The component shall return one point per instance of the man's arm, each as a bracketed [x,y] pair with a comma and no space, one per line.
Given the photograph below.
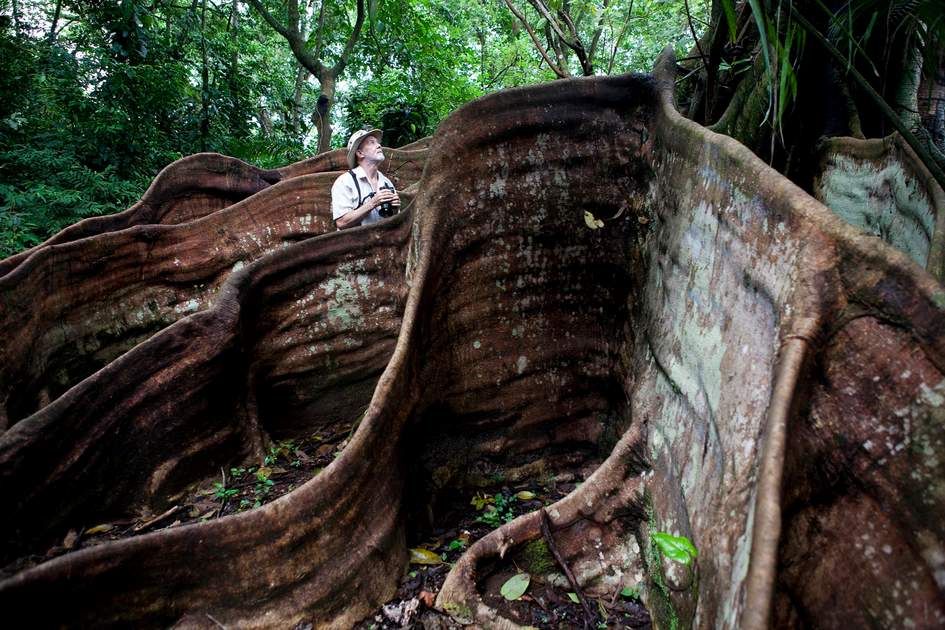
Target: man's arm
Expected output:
[352,218]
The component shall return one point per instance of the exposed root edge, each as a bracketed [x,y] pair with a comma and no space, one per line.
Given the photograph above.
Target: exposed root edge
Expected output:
[616,484]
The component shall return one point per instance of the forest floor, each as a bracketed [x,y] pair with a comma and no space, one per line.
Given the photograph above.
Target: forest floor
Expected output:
[543,604]
[461,520]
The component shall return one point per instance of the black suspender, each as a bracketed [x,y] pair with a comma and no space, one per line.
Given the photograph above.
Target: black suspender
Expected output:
[355,178]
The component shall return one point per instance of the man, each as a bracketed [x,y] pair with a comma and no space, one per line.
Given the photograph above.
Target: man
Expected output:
[358,196]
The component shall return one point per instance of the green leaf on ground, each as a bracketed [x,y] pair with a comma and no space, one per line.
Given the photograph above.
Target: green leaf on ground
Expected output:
[480,501]
[525,495]
[574,598]
[263,473]
[630,592]
[677,548]
[515,586]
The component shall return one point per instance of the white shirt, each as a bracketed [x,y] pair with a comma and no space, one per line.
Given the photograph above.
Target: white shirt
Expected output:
[344,194]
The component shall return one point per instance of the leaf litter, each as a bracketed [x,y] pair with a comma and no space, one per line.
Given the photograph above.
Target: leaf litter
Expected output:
[529,600]
[287,465]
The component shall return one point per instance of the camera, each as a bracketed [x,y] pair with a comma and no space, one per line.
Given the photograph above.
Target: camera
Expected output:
[387,209]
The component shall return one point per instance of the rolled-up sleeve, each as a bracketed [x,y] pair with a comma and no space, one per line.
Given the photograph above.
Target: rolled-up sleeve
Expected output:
[344,198]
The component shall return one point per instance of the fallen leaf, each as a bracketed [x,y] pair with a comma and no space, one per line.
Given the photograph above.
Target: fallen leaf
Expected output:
[427,598]
[592,222]
[418,555]
[525,495]
[99,529]
[71,538]
[264,473]
[515,586]
[574,598]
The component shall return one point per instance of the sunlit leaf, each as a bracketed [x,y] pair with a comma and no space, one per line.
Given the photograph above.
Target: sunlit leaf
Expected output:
[525,495]
[592,222]
[677,548]
[480,501]
[418,555]
[99,529]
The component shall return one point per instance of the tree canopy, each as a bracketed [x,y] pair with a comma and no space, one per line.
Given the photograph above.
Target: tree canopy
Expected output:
[97,97]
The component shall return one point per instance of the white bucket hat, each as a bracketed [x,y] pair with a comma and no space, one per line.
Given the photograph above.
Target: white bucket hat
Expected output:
[355,142]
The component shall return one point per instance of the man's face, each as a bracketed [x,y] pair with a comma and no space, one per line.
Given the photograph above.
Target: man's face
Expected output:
[370,150]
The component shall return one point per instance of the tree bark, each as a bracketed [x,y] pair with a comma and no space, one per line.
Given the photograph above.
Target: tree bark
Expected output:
[296,114]
[323,119]
[51,35]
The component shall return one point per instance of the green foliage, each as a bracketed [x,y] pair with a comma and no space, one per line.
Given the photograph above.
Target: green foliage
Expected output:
[89,117]
[93,107]
[496,510]
[630,592]
[283,450]
[223,493]
[677,548]
[537,558]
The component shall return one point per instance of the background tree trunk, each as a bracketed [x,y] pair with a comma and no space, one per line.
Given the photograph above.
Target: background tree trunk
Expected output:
[323,112]
[326,75]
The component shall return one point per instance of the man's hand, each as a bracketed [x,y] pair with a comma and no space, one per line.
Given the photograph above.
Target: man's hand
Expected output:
[353,218]
[384,195]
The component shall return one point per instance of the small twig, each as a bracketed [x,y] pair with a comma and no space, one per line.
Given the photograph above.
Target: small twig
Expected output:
[219,625]
[223,498]
[705,61]
[590,618]
[156,519]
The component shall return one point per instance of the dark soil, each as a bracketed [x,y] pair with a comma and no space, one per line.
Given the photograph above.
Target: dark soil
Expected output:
[469,518]
[288,465]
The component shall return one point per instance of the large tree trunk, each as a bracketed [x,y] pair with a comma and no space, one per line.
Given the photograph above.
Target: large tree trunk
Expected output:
[720,357]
